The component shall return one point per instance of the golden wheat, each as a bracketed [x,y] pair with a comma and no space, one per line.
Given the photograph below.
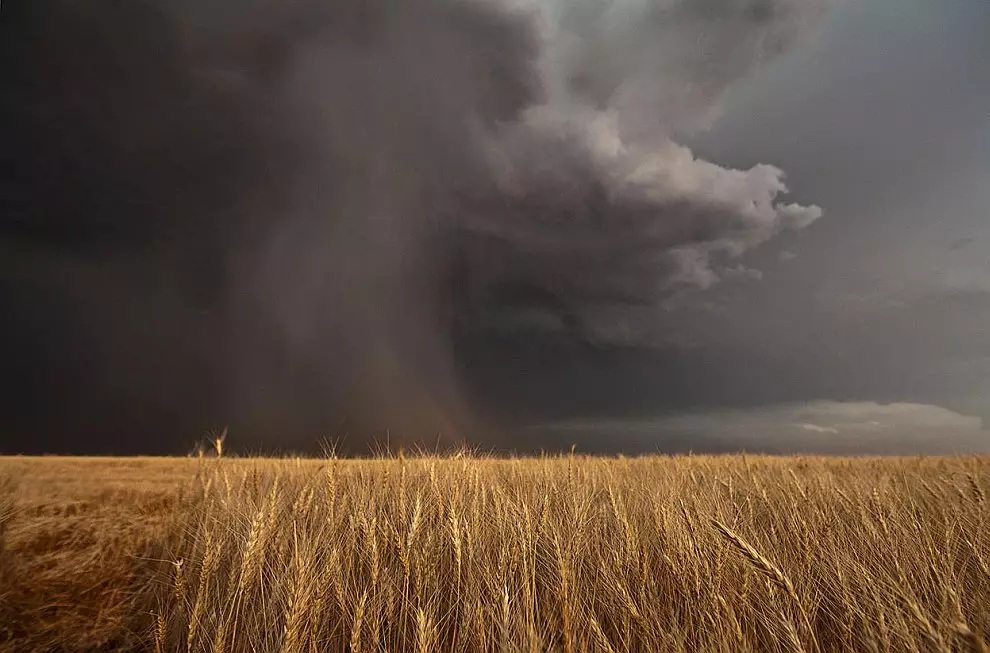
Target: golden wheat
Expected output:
[465,553]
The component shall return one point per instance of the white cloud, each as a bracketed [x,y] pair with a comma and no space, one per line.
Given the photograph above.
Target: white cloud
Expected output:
[818,429]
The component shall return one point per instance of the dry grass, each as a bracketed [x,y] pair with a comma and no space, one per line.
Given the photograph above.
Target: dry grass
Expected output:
[472,554]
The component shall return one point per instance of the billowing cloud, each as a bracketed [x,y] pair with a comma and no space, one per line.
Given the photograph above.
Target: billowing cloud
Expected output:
[286,213]
[598,216]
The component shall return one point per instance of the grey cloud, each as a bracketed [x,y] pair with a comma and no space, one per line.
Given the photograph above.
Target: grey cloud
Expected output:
[331,194]
[599,224]
[625,215]
[665,64]
[827,427]
[541,190]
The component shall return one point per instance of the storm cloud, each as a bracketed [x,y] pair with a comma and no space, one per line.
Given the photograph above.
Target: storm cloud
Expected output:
[287,216]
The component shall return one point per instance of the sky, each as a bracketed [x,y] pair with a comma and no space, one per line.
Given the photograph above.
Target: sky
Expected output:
[632,226]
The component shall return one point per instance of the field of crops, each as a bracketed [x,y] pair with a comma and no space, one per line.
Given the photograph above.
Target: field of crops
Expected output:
[465,553]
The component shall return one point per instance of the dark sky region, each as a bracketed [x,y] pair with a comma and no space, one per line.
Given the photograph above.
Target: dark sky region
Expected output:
[513,224]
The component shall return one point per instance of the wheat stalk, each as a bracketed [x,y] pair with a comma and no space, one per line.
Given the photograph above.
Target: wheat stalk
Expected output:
[978,495]
[425,633]
[161,636]
[971,642]
[356,626]
[600,638]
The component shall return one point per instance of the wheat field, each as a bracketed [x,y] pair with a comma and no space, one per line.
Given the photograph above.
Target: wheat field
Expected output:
[470,553]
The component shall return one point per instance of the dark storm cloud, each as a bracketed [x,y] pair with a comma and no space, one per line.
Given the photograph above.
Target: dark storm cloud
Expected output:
[287,215]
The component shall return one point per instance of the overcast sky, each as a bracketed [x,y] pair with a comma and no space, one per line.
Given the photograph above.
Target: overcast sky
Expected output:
[885,121]
[518,224]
